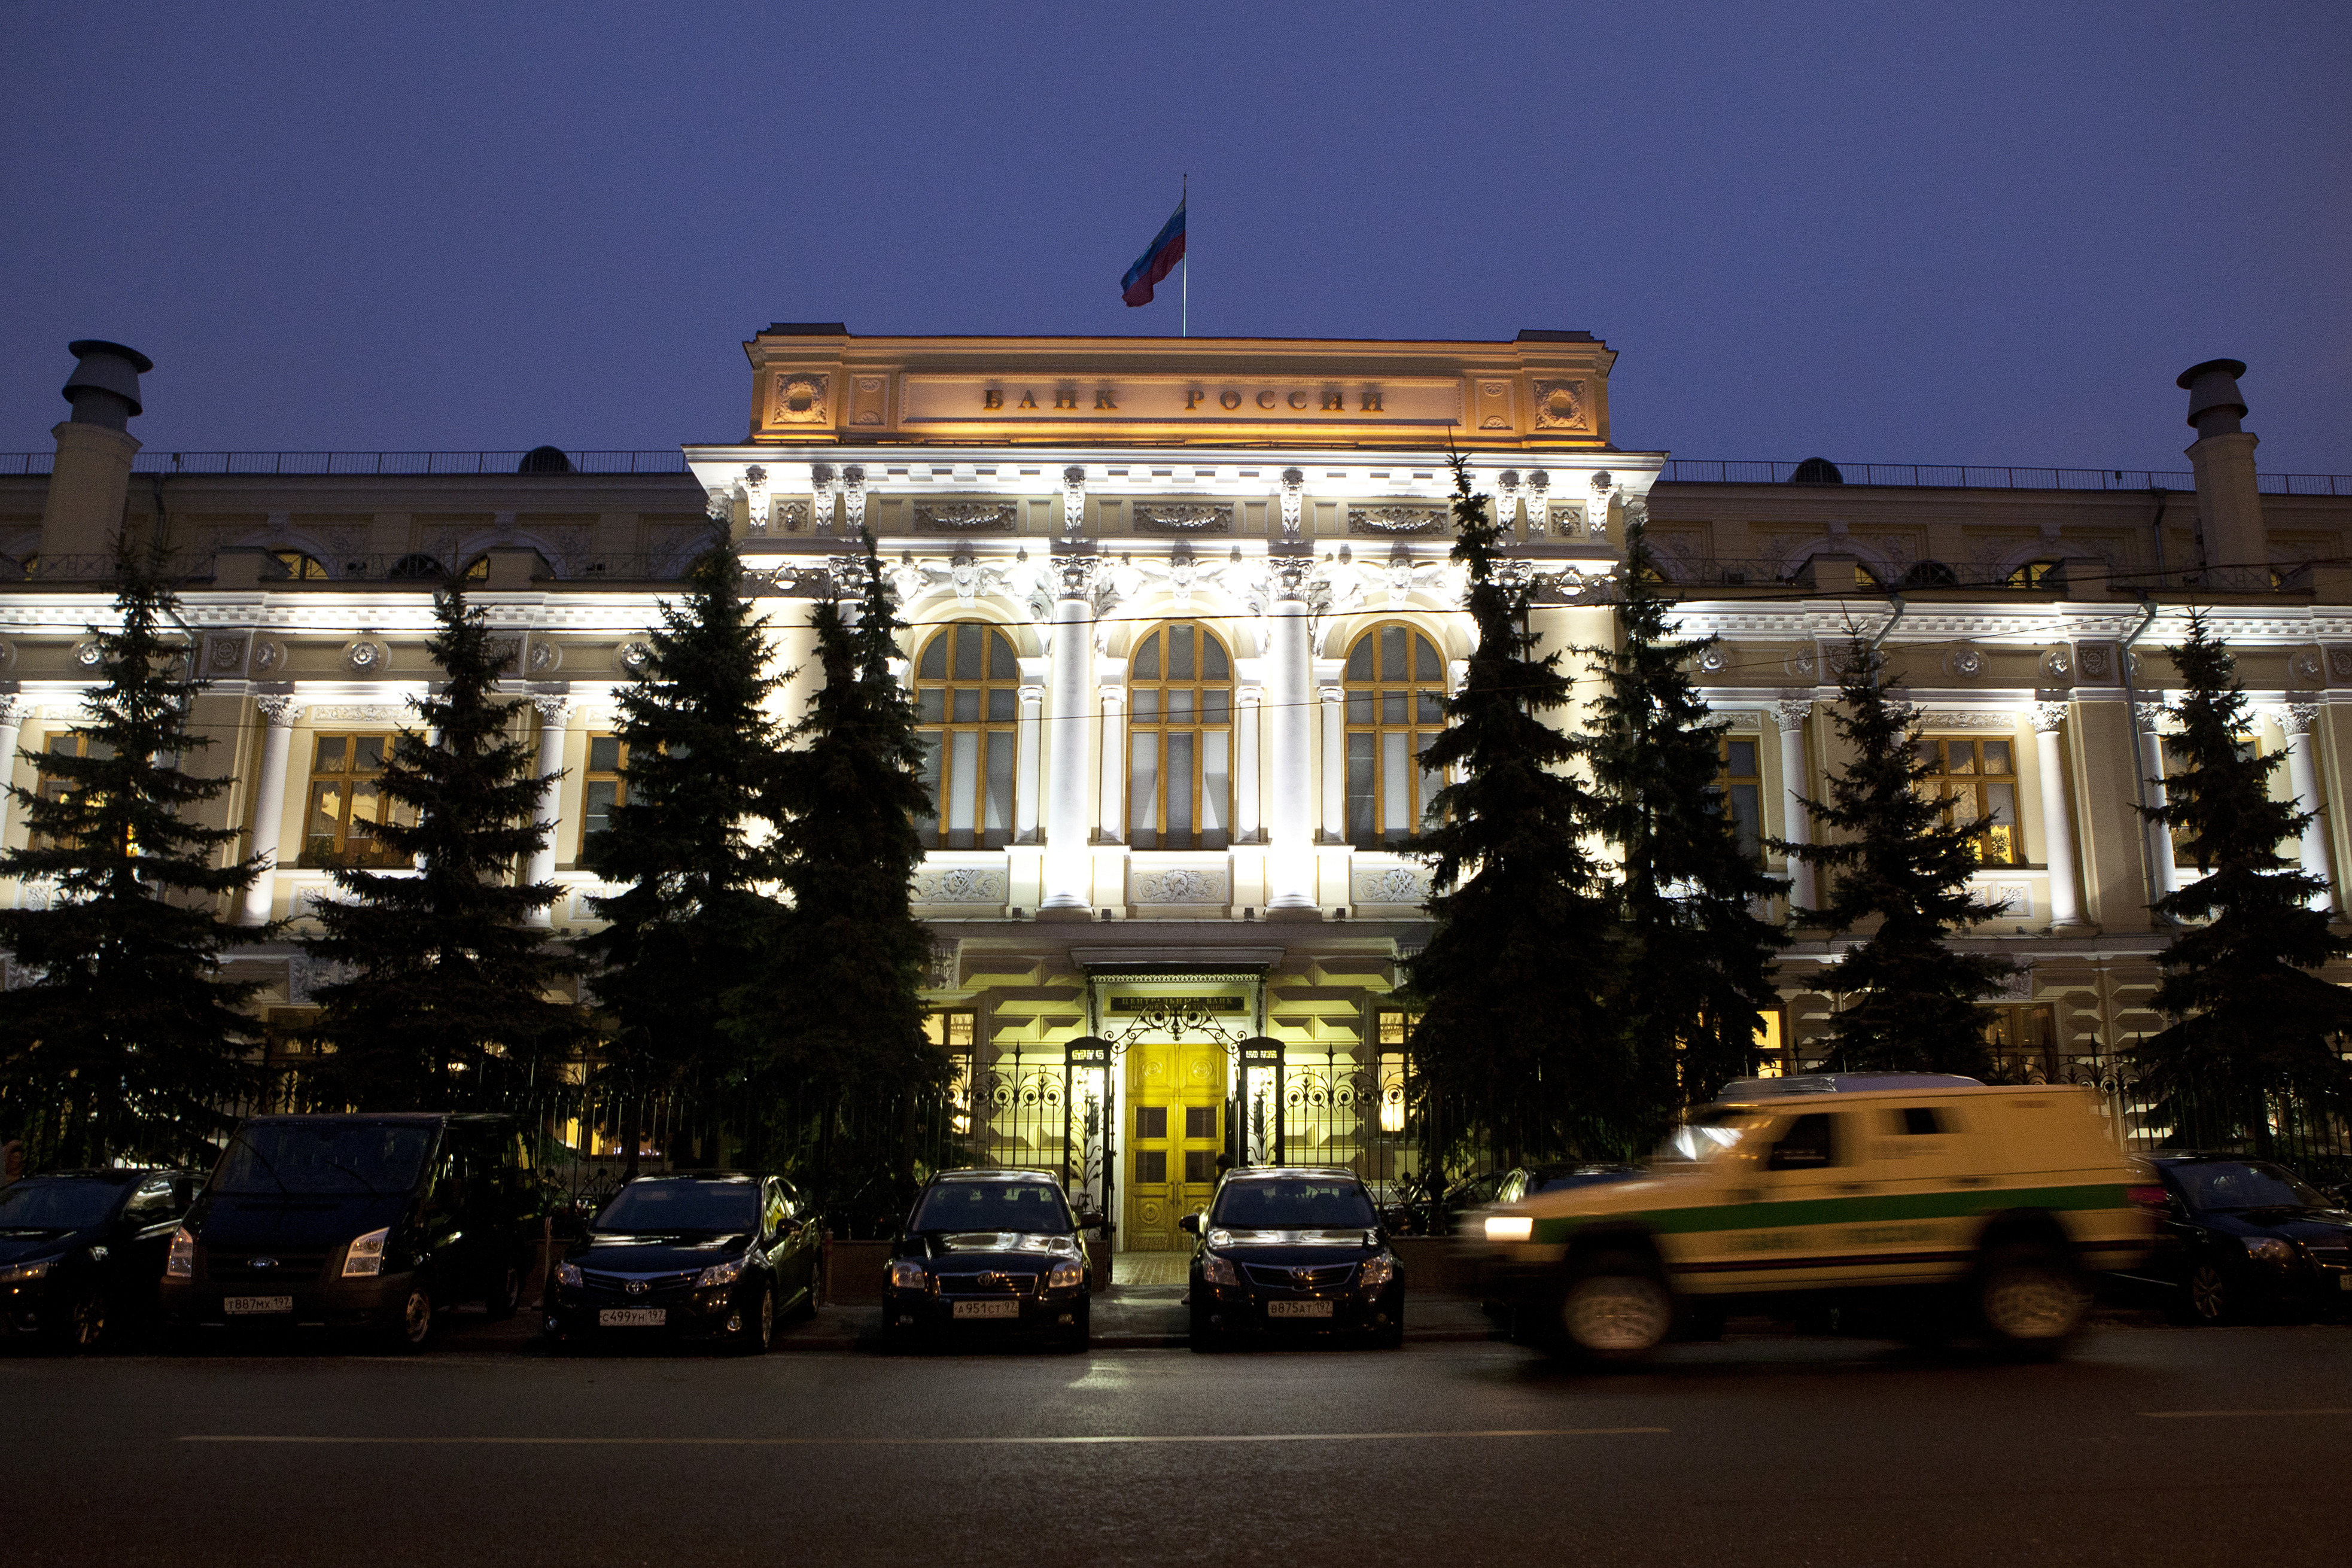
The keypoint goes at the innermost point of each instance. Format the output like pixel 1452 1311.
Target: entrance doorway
pixel 1175 1131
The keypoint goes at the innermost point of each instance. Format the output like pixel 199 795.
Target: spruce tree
pixel 2254 1030
pixel 1516 1055
pixel 127 1041
pixel 1898 862
pixel 835 1018
pixel 447 1005
pixel 1695 964
pixel 700 752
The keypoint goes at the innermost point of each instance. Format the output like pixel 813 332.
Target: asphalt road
pixel 2147 1447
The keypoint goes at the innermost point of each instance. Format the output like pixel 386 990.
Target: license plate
pixel 632 1317
pixel 244 1304
pixel 1298 1309
pixel 988 1309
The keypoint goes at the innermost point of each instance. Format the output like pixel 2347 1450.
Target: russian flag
pixel 1158 260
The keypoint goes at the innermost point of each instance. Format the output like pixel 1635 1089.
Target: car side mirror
pixel 1189 1224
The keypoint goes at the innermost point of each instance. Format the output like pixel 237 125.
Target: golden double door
pixel 1175 1115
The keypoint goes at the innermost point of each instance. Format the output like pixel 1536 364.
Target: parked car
pixel 2242 1236
pixel 1924 1202
pixel 1296 1251
pixel 721 1258
pixel 377 1223
pixel 990 1253
pixel 81 1252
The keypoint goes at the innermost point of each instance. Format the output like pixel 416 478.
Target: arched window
pixel 414 567
pixel 968 700
pixel 1396 706
pixel 2041 576
pixel 1179 741
pixel 477 569
pixel 299 567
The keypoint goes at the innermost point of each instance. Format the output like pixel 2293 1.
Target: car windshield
pixel 2242 1183
pixel 57 1203
pixel 657 1206
pixel 1298 1203
pixel 1031 1206
pixel 325 1157
pixel 1708 1135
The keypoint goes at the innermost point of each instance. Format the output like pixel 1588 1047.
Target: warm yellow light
pixel 1510 1228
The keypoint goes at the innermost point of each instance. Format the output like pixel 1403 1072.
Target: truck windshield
pixel 1706 1135
pixel 325 1157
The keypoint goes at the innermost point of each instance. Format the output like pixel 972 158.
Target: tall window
pixel 1180 741
pixel 1396 704
pixel 968 701
pixel 1392 1033
pixel 955 1032
pixel 1740 776
pixel 1979 779
pixel 347 803
pixel 602 786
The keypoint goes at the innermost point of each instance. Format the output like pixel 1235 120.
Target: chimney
pixel 2229 503
pixel 92 477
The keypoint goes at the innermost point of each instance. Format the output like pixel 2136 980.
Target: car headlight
pixel 1219 1271
pixel 363 1259
pixel 567 1274
pixel 1510 1228
pixel 1377 1271
pixel 908 1274
pixel 1066 1275
pixel 181 1263
pixel 17 1273
pixel 723 1273
pixel 2269 1249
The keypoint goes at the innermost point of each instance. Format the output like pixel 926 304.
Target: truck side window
pixel 1922 1121
pixel 1810 1144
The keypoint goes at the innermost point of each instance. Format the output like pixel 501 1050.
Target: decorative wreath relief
pixel 1395 885
pixel 634 656
pixel 1184 887
pixel 964 885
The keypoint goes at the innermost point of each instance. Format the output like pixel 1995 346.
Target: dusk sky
pixel 1992 236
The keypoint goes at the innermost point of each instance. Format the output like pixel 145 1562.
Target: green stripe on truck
pixel 1855 1210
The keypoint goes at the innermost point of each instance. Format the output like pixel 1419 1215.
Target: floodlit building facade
pixel 1180 618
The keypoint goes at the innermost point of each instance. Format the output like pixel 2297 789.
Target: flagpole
pixel 1184 315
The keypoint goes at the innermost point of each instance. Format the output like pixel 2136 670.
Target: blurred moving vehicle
pixel 81 1252
pixel 378 1223
pixel 1927 1203
pixel 1293 1250
pixel 2242 1236
pixel 717 1258
pixel 995 1253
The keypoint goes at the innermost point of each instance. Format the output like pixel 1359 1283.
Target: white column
pixel 1335 762
pixel 554 717
pixel 2303 777
pixel 2057 816
pixel 1110 814
pixel 1248 714
pixel 2156 835
pixel 1069 868
pixel 1796 780
pixel 1290 814
pixel 1032 744
pixel 11 721
pixel 278 713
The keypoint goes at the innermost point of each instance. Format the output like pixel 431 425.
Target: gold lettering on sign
pixel 1028 398
pixel 1066 397
pixel 1334 401
pixel 1299 399
pixel 1230 398
pixel 1192 396
pixel 991 398
pixel 1371 404
pixel 1265 400
pixel 1102 400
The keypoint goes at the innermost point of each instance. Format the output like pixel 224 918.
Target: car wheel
pixel 1078 1338
pixel 1616 1308
pixel 1391 1335
pixel 2030 1298
pixel 2210 1299
pixel 84 1325
pixel 413 1330
pixel 506 1294
pixel 1205 1339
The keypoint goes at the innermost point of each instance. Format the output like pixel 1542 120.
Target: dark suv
pixel 990 1252
pixel 1293 1251
pixel 370 1222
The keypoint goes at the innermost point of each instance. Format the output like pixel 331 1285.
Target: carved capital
pixel 1290 576
pixel 2149 716
pixel 1791 716
pixel 2047 716
pixel 554 709
pixel 277 708
pixel 1074 576
pixel 2296 718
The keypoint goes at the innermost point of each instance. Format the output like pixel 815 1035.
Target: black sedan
pixel 1286 1251
pixel 990 1253
pixel 81 1252
pixel 717 1259
pixel 2242 1236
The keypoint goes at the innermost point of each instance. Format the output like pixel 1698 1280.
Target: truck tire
pixel 2030 1298
pixel 412 1328
pixel 1614 1308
